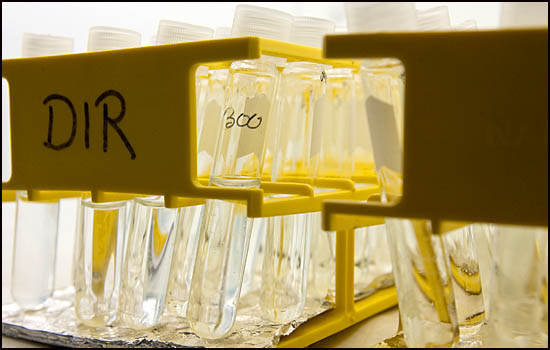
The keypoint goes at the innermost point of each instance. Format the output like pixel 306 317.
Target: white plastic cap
pixel 364 17
pixel 267 23
pixel 341 30
pixel 35 45
pixel 310 31
pixel 523 14
pixel 110 38
pixel 177 32
pixel 222 33
pixel 469 24
pixel 436 18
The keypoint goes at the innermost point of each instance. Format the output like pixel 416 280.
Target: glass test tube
pixel 147 262
pixel 337 141
pixel 517 295
pixel 429 318
pixel 102 236
pixel 423 281
pixel 466 279
pixel 338 138
pixel 254 259
pixel 286 258
pixel 8 235
pixel 36 226
pixel 419 259
pixel 36 223
pixel 373 269
pixel 99 261
pixel 225 229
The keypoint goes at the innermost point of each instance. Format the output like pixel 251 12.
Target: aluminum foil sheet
pixel 56 324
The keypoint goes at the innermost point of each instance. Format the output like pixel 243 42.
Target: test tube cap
pixel 435 18
pixel 35 45
pixel 340 30
pixel 170 32
pixel 469 24
pixel 222 33
pixel 310 31
pixel 523 14
pixel 111 38
pixel 259 21
pixel 364 17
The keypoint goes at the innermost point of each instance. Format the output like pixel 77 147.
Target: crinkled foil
pixel 56 324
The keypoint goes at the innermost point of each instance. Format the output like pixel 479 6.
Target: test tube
pixel 190 217
pixel 518 298
pixel 36 222
pixel 171 32
pixel 338 137
pixel 102 234
pixel 461 243
pixel 423 282
pixel 419 260
pixel 225 229
pixel 321 276
pixel 301 98
pixel 148 261
pixel 34 244
pixel 255 256
pixel 518 294
pixel 8 233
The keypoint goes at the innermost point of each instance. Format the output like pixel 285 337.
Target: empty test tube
pixel 36 222
pixel 102 237
pixel 301 102
pixel 225 229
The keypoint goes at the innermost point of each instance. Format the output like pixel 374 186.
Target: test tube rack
pixel 463 159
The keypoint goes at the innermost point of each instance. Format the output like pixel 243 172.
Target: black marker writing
pixel 87 126
pixel 66 144
pixel 242 120
pixel 107 121
pixel 114 122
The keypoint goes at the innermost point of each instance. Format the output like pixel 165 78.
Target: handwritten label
pixel 256 112
pixel 108 121
pixel 384 134
pixel 243 120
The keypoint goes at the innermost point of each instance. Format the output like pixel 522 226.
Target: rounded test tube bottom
pixel 98 262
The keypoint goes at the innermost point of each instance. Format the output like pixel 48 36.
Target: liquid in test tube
pixel 103 226
pixel 225 229
pixel 36 222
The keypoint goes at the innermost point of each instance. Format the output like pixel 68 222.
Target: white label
pixel 384 134
pixel 317 126
pixel 211 123
pixel 252 123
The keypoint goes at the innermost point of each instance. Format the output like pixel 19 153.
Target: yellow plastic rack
pixel 118 124
pixel 475 137
pixel 119 112
pixel 475 125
